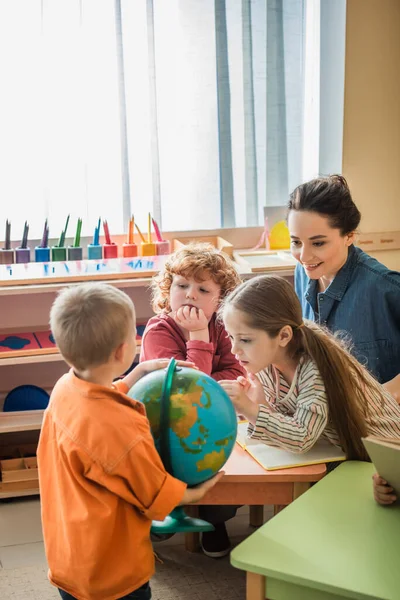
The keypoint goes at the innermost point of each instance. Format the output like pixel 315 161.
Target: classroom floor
pixel 180 576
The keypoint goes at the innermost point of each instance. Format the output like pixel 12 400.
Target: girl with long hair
pixel 308 385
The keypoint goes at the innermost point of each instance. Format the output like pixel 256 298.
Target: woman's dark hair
pixel 328 196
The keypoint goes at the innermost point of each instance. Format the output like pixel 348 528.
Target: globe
pixel 192 420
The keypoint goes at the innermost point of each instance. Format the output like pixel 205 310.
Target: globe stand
pixel 177 521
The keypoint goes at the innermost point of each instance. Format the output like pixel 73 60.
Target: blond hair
pixel 270 303
pixel 199 261
pixel 89 321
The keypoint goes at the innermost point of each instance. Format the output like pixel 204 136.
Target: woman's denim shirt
pixel 363 301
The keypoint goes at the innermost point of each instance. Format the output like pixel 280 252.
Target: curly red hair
pixel 199 261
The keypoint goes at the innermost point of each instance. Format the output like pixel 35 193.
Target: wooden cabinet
pixel 19 435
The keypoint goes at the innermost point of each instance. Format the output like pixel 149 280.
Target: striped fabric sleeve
pixel 300 431
pixel 267 382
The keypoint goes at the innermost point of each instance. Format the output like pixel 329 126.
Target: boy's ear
pixel 285 335
pixel 120 352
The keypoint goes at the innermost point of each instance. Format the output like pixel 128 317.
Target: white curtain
pixel 191 109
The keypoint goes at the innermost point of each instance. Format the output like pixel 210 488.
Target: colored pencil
pixel 7 245
pixel 24 242
pixel 46 236
pixel 78 233
pixel 61 241
pixel 149 240
pixel 42 243
pixel 106 232
pixel 140 233
pixel 157 230
pixel 131 230
pixel 96 235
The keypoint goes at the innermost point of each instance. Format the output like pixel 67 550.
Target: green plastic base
pixel 179 522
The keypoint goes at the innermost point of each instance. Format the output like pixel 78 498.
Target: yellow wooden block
pixel 279 238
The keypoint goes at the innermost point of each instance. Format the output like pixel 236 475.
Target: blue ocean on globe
pixel 202 422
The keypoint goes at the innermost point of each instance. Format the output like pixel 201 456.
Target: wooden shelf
pixel 38 358
pixel 18 493
pixel 56 287
pixel 23 420
pixel 34 358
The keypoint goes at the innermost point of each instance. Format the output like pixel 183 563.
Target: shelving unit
pixel 11 425
pixel 18 302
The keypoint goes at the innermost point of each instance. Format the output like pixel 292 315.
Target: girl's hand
pixel 191 318
pixel 253 387
pixel 240 400
pixel 383 493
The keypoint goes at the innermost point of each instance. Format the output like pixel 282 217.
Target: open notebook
pixel 385 454
pixel 272 458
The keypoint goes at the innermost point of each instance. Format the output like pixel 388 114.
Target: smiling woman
pixel 339 285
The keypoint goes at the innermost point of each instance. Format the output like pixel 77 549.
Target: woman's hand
pixel 236 391
pixel 393 387
pixel 383 493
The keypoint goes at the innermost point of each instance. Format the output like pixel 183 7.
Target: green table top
pixel 334 539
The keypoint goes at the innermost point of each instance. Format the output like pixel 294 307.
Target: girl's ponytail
pixel 345 380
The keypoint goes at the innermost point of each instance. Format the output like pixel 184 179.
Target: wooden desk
pixel 334 542
pixel 246 482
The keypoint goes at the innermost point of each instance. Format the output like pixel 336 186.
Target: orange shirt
pixel 102 482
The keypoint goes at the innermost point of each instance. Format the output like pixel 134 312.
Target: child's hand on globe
pixel 196 493
pixel 148 366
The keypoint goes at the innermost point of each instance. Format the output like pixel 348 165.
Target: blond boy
pixel 101 479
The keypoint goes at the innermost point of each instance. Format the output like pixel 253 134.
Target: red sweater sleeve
pixel 162 339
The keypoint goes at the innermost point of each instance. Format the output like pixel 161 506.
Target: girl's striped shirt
pixel 295 416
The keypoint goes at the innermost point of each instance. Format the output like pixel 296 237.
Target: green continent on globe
pixel 184 405
pixel 224 441
pixel 213 460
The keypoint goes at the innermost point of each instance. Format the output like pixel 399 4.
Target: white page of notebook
pixel 271 458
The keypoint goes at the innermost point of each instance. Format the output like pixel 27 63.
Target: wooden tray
pixel 264 261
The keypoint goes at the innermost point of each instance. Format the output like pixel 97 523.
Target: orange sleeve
pixel 121 386
pixel 139 478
